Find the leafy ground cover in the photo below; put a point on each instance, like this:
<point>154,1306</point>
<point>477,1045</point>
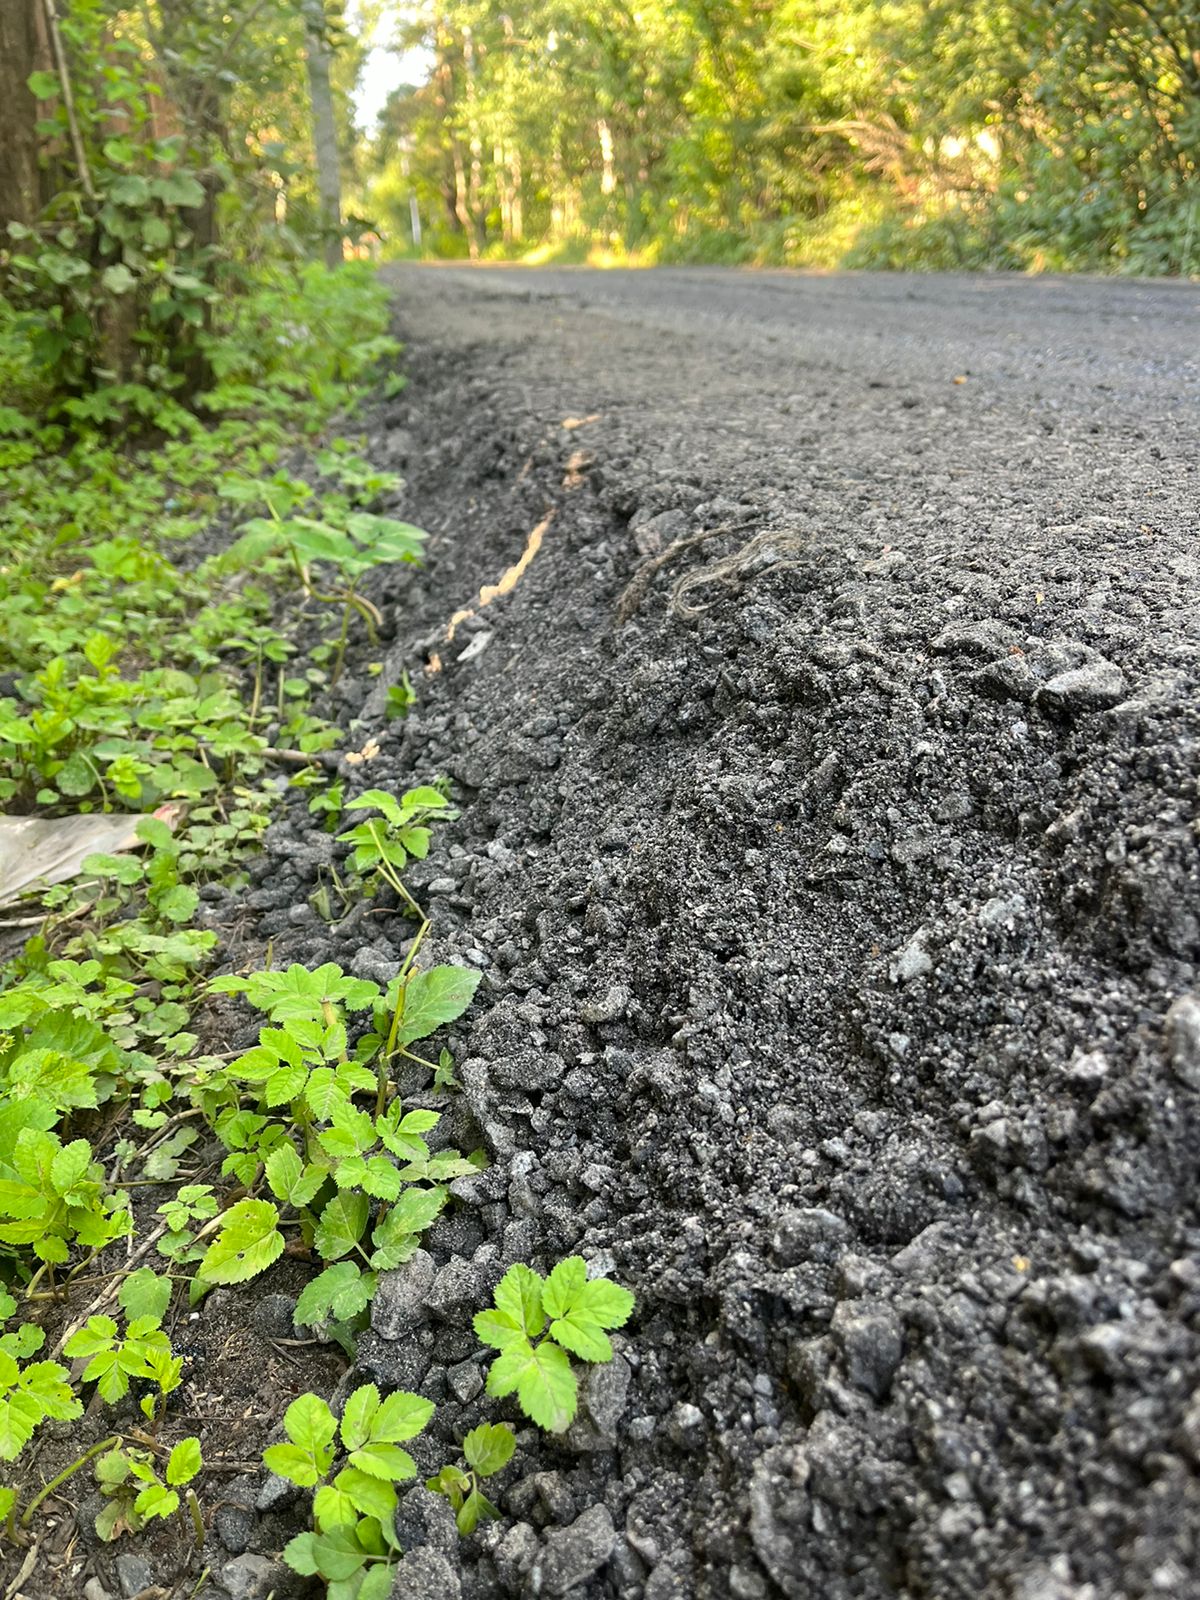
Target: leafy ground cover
<point>176,618</point>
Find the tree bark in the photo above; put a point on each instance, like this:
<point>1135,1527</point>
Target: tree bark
<point>20,193</point>
<point>329,175</point>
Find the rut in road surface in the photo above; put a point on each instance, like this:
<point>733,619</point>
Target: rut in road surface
<point>839,941</point>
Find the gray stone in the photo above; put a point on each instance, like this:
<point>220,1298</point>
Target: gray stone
<point>426,1575</point>
<point>514,1557</point>
<point>1091,687</point>
<point>234,1527</point>
<point>425,1519</point>
<point>273,1316</point>
<point>913,961</point>
<point>465,1380</point>
<point>571,1555</point>
<point>252,1577</point>
<point>871,1339</point>
<point>276,1492</point>
<point>686,1425</point>
<point>133,1574</point>
<point>1181,1036</point>
<point>93,1589</point>
<point>457,1291</point>
<point>805,1233</point>
<point>401,1297</point>
<point>606,1394</point>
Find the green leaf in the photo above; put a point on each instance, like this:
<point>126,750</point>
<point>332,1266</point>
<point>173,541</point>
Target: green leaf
<point>300,1555</point>
<point>370,1497</point>
<point>543,1380</point>
<point>43,85</point>
<point>378,800</point>
<point>489,1447</point>
<point>401,1416</point>
<point>118,279</point>
<point>144,1294</point>
<point>249,1241</point>
<point>178,190</point>
<point>296,1465</point>
<point>519,1297</point>
<point>582,1310</point>
<point>340,1292</point>
<point>341,1225</point>
<point>184,1462</point>
<point>387,1461</point>
<point>310,1423</point>
<point>178,904</point>
<point>358,1415</point>
<point>433,998</point>
<point>338,1554</point>
<point>475,1506</point>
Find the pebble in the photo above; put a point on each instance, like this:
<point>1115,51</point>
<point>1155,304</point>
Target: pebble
<point>252,1577</point>
<point>1091,687</point>
<point>809,1232</point>
<point>571,1555</point>
<point>871,1339</point>
<point>426,1575</point>
<point>1181,1036</point>
<point>401,1297</point>
<point>133,1574</point>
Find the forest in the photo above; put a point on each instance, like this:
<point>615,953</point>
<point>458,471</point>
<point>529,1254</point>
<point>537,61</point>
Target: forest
<point>965,134</point>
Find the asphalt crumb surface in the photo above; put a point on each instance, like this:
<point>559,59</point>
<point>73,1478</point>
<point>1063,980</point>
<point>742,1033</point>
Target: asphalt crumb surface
<point>838,911</point>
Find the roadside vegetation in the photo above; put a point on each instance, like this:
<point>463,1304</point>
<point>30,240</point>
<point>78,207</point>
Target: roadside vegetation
<point>1027,135</point>
<point>186,524</point>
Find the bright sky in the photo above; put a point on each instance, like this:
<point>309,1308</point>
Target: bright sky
<point>383,70</point>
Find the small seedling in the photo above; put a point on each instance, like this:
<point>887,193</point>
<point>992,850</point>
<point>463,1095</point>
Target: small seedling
<point>353,1545</point>
<point>487,1450</point>
<point>533,1359</point>
<point>135,1494</point>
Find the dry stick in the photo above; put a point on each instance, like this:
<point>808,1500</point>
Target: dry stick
<point>64,78</point>
<point>106,1293</point>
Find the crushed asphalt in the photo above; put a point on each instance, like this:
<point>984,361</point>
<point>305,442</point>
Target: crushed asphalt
<point>828,843</point>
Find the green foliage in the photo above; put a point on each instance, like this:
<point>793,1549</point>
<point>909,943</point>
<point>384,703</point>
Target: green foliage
<point>353,1543</point>
<point>819,132</point>
<point>533,1357</point>
<point>133,1491</point>
<point>404,832</point>
<point>487,1450</point>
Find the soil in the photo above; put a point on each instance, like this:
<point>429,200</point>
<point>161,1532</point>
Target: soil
<point>838,911</point>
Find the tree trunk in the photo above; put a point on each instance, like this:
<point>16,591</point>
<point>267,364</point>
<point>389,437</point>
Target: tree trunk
<point>329,176</point>
<point>20,194</point>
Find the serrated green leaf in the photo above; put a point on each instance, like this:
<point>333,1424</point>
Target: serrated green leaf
<point>519,1297</point>
<point>341,1292</point>
<point>300,1556</point>
<point>143,1294</point>
<point>563,1286</point>
<point>358,1415</point>
<point>341,1224</point>
<point>184,1462</point>
<point>543,1380</point>
<point>401,1416</point>
<point>309,1423</point>
<point>248,1243</point>
<point>291,1462</point>
<point>489,1447</point>
<point>388,1461</point>
<point>370,1497</point>
<point>433,998</point>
